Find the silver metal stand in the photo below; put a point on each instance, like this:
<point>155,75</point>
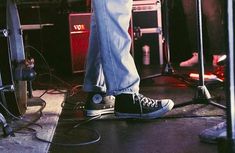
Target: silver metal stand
<point>202,95</point>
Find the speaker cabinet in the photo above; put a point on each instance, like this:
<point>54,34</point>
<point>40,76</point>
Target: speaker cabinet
<point>79,28</point>
<point>72,30</point>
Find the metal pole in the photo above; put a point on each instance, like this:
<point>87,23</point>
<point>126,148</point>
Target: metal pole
<point>230,74</point>
<point>230,80</point>
<point>166,29</point>
<point>200,41</point>
<point>228,144</point>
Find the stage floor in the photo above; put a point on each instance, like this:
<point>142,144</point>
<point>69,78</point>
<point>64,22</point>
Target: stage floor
<point>176,132</point>
<point>38,120</point>
<point>63,124</point>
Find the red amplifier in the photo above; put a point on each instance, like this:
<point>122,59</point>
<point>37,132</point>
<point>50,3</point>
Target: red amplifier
<point>79,28</point>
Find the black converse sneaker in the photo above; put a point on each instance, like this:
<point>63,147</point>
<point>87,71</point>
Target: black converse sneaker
<point>99,104</point>
<point>139,106</point>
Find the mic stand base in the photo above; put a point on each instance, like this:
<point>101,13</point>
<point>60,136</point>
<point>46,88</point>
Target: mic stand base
<point>202,96</point>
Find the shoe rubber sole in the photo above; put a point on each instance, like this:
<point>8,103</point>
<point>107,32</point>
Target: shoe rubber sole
<point>92,113</point>
<point>152,115</point>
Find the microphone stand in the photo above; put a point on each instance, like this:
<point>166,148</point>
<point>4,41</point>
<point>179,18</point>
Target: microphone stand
<point>228,144</point>
<point>202,95</point>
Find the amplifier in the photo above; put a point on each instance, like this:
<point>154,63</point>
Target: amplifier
<point>72,30</point>
<point>146,23</point>
<point>79,28</point>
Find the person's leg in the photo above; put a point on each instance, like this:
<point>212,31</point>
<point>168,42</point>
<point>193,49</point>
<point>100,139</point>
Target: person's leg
<point>214,21</point>
<point>97,101</point>
<point>112,18</point>
<point>106,28</point>
<point>94,77</point>
<point>120,74</point>
<point>189,7</point>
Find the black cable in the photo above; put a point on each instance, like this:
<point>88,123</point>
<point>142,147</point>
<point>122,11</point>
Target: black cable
<point>21,119</point>
<point>33,131</point>
<point>98,136</point>
<point>30,131</point>
<point>43,93</point>
<point>77,104</point>
<point>40,54</point>
<point>73,144</point>
<point>72,89</point>
<point>88,120</point>
<point>44,60</point>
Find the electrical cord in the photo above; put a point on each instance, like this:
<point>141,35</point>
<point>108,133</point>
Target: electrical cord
<point>75,106</point>
<point>30,131</point>
<point>43,58</point>
<point>75,144</point>
<point>33,131</point>
<point>88,120</point>
<point>57,78</point>
<point>97,134</point>
<point>48,68</point>
<point>43,93</point>
<point>21,119</point>
<point>72,89</point>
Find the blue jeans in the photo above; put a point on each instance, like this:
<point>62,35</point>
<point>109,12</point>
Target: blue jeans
<point>212,21</point>
<point>110,68</point>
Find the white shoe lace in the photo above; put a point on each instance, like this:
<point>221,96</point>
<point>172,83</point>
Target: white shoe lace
<point>145,101</point>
